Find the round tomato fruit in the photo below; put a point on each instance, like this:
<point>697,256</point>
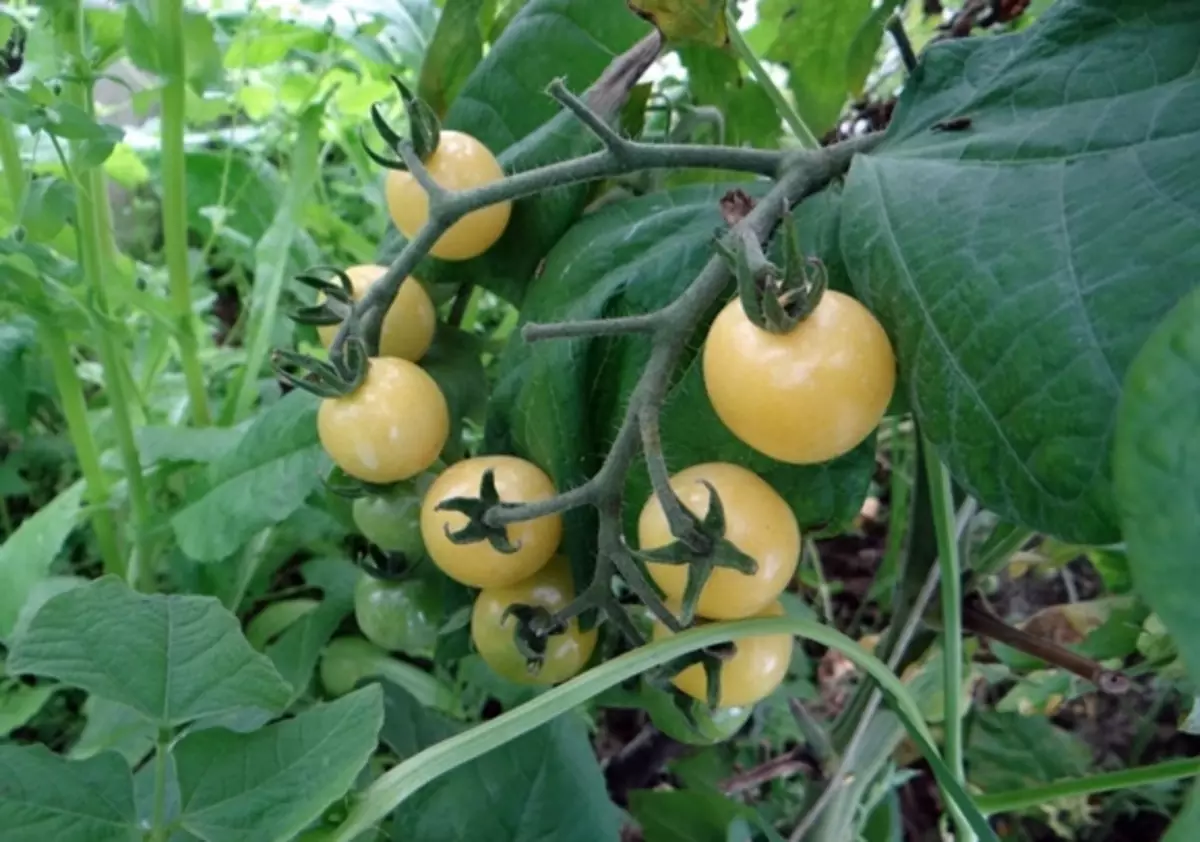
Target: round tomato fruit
<point>552,588</point>
<point>479,564</point>
<point>392,427</point>
<point>390,522</point>
<point>408,325</point>
<point>460,162</point>
<point>805,396</point>
<point>757,521</point>
<point>402,616</point>
<point>750,675</point>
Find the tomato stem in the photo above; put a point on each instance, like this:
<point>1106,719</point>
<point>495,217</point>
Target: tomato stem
<point>895,28</point>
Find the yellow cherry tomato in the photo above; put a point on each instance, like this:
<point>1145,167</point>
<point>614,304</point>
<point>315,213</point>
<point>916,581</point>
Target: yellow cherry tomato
<point>757,521</point>
<point>753,673</point>
<point>806,396</point>
<point>552,588</point>
<point>408,325</point>
<point>392,427</point>
<point>460,162</point>
<point>479,564</point>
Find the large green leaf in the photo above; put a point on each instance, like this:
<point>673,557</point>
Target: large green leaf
<point>258,484</point>
<point>504,104</point>
<point>813,40</point>
<point>172,658</point>
<point>686,815</point>
<point>456,48</point>
<point>44,796</point>
<point>1019,263</point>
<point>26,556</point>
<point>715,79</point>
<point>1156,466</point>
<point>544,785</point>
<point>559,402</point>
<point>274,782</point>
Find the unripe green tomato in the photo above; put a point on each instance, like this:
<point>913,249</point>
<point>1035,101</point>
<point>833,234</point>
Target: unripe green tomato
<point>347,661</point>
<point>710,726</point>
<point>392,523</point>
<point>401,616</point>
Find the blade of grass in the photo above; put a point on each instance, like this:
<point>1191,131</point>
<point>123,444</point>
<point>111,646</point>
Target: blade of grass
<point>401,782</point>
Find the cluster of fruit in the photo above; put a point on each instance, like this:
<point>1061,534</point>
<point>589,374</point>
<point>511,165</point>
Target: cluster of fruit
<point>805,395</point>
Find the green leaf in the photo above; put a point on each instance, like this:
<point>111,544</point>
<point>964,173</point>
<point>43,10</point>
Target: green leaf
<point>686,815</point>
<point>297,651</point>
<point>172,658</point>
<point>686,21</point>
<point>258,484</point>
<point>1020,263</point>
<point>26,556</point>
<point>20,703</point>
<point>559,403</point>
<point>185,444</point>
<point>1009,751</point>
<point>456,48</point>
<point>274,782</point>
<point>814,42</point>
<point>860,59</point>
<point>205,68</point>
<point>715,79</point>
<point>453,361</point>
<point>49,205</point>
<point>1157,473</point>
<point>44,796</point>
<point>141,41</point>
<point>18,341</point>
<point>546,784</point>
<point>408,726</point>
<point>503,103</point>
<point>113,727</point>
<point>1186,826</point>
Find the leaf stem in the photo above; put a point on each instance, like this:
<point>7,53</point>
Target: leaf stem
<point>172,46</point>
<point>1022,799</point>
<point>895,27</point>
<point>944,522</point>
<point>159,828</point>
<point>789,114</point>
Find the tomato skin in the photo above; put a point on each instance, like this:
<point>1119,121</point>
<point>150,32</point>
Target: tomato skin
<point>409,324</point>
<point>478,564</point>
<point>392,523</point>
<point>460,162</point>
<point>401,616</point>
<point>806,396</point>
<point>551,587</point>
<point>757,521</point>
<point>392,427</point>
<point>752,674</point>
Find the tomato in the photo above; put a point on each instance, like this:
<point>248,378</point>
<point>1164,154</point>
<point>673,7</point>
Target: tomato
<point>806,396</point>
<point>392,427</point>
<point>408,325</point>
<point>479,564</point>
<point>754,672</point>
<point>402,616</point>
<point>551,587</point>
<point>710,725</point>
<point>460,162</point>
<point>391,522</point>
<point>757,521</point>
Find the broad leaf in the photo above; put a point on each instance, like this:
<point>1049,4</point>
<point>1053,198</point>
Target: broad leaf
<point>1009,751</point>
<point>172,658</point>
<point>44,796</point>
<point>113,727</point>
<point>559,402</point>
<point>544,785</point>
<point>860,57</point>
<point>185,444</point>
<point>504,104</point>
<point>26,556</point>
<point>686,21</point>
<point>1020,262</point>
<point>453,361</point>
<point>258,484</point>
<point>408,726</point>
<point>297,651</point>
<point>20,703</point>
<point>686,816</point>
<point>456,48</point>
<point>274,782</point>
<point>813,41</point>
<point>1157,474</point>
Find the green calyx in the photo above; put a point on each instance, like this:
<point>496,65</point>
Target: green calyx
<point>340,376</point>
<point>535,625</point>
<point>424,130</point>
<point>384,565</point>
<point>710,658</point>
<point>775,298</point>
<point>339,298</point>
<point>702,547</point>
<point>476,509</point>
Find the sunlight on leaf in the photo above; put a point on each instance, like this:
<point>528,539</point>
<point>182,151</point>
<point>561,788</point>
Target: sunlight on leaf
<point>681,21</point>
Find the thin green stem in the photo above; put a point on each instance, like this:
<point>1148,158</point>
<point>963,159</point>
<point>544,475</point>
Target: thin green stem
<point>944,521</point>
<point>14,171</point>
<point>94,244</point>
<point>74,407</point>
<point>1022,799</point>
<point>172,47</point>
<point>789,114</point>
<point>159,829</point>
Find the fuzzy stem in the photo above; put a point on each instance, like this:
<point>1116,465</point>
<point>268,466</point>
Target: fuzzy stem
<point>174,201</point>
<point>159,830</point>
<point>895,27</point>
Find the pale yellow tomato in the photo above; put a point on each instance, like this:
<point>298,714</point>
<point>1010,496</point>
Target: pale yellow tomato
<point>408,325</point>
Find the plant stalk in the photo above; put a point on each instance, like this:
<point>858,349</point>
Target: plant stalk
<point>14,170</point>
<point>174,201</point>
<point>159,830</point>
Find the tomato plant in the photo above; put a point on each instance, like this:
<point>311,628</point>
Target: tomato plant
<point>400,616</point>
<point>391,521</point>
<point>408,325</point>
<point>480,563</point>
